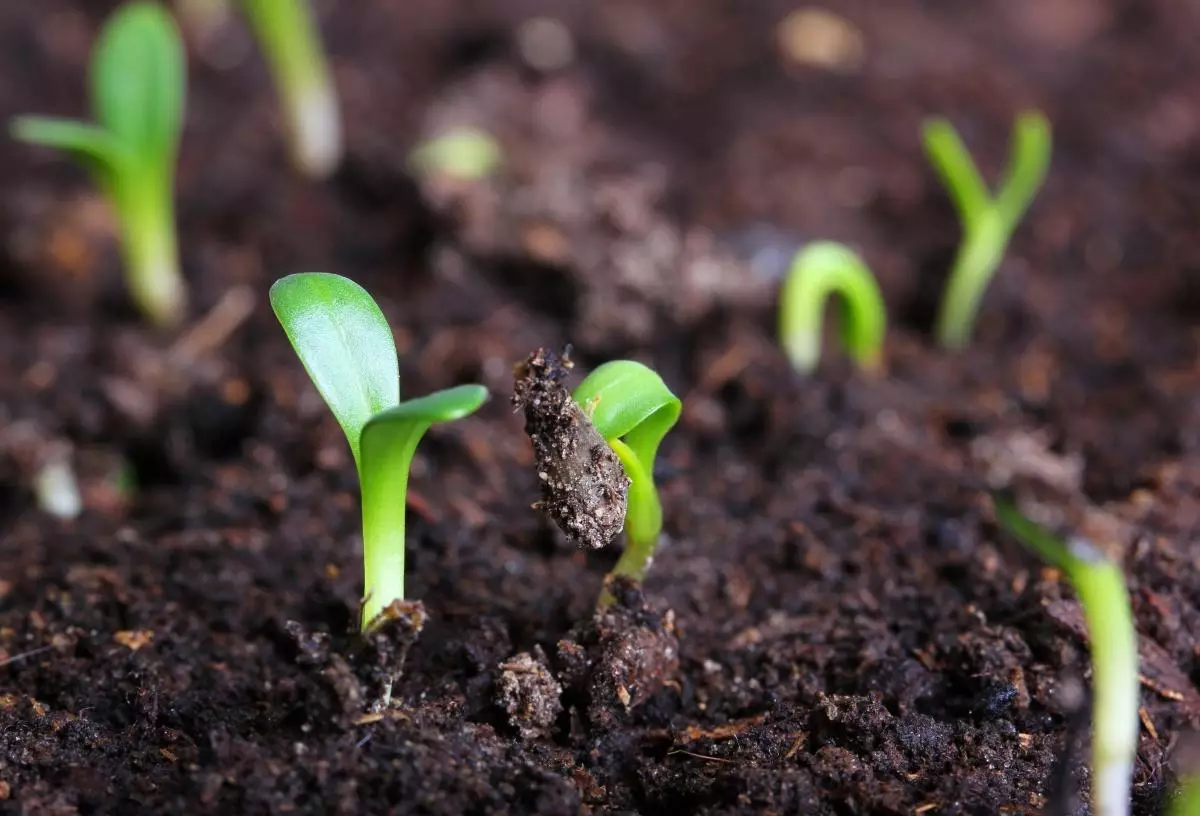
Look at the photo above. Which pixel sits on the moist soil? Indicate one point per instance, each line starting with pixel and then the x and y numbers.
pixel 834 623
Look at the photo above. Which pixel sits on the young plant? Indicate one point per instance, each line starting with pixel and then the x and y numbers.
pixel 344 342
pixel 291 43
pixel 821 269
pixel 465 153
pixel 987 223
pixel 137 89
pixel 633 409
pixel 1100 585
pixel 1187 799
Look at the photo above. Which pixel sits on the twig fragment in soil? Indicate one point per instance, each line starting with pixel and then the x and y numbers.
pixel 24 655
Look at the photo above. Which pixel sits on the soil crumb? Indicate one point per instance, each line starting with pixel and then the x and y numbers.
pixel 529 694
pixel 584 486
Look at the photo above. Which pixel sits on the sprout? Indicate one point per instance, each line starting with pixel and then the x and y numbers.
pixel 1187 799
pixel 1101 589
pixel 819 270
pixel 987 222
pixel 137 88
pixel 463 153
pixel 291 44
pixel 344 342
pixel 633 409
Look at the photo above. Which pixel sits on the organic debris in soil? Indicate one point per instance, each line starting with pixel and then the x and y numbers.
pixel 584 486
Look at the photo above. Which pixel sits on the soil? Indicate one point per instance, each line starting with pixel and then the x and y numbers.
pixel 834 624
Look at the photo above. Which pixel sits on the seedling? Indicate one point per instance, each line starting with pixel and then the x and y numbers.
pixel 987 223
pixel 1100 585
pixel 137 89
pixel 344 342
pixel 466 154
pixel 1187 799
pixel 632 408
pixel 291 44
pixel 821 269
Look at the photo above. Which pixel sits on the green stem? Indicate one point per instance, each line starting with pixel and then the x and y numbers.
pixel 147 212
pixel 383 511
pixel 292 47
pixel 979 254
pixel 643 520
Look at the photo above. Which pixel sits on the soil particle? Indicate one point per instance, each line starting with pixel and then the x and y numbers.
pixel 584 487
pixel 529 694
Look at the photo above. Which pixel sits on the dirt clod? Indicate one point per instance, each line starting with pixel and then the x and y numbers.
pixel 529 694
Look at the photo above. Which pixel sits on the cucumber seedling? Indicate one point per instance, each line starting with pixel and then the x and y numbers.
pixel 346 346
pixel 1100 585
pixel 138 85
pixel 822 269
pixel 987 222
pixel 291 43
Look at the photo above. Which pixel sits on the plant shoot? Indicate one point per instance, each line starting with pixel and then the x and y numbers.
pixel 346 346
pixel 291 44
pixel 987 222
pixel 137 94
pixel 464 154
pixel 822 269
pixel 1100 585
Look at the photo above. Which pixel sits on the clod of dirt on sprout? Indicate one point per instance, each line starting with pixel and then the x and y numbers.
pixel 987 221
pixel 529 694
pixel 346 346
pixel 584 486
pixel 464 154
pixel 819 270
pixel 291 43
pixel 138 86
pixel 1100 585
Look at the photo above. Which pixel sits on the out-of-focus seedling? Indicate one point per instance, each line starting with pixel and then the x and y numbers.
pixel 291 44
pixel 137 88
pixel 345 344
pixel 465 154
pixel 821 269
pixel 1100 585
pixel 987 222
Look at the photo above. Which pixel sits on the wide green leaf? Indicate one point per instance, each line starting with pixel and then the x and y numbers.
pixel 138 80
pixel 345 344
pixel 626 400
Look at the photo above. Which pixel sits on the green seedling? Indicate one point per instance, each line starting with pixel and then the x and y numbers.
pixel 1100 585
pixel 288 35
pixel 137 87
pixel 987 223
pixel 467 154
pixel 346 346
pixel 821 269
pixel 1187 799
pixel 633 410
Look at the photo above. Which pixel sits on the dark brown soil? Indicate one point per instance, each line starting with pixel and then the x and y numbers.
pixel 834 626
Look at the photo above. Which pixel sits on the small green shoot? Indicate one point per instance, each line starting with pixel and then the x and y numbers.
pixel 466 154
pixel 138 85
pixel 633 410
pixel 1100 585
pixel 987 223
pixel 821 269
pixel 291 44
pixel 1187 798
pixel 346 346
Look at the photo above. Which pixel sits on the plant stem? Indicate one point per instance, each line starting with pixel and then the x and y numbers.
pixel 293 51
pixel 383 511
pixel 147 213
pixel 643 520
pixel 979 254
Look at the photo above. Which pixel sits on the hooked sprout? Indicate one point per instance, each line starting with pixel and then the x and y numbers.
pixel 291 44
pixel 138 85
pixel 346 346
pixel 464 153
pixel 1100 585
pixel 987 222
pixel 821 269
pixel 633 410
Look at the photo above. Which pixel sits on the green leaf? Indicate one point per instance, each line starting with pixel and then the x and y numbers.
pixel 389 441
pixel 345 344
pixel 91 146
pixel 138 80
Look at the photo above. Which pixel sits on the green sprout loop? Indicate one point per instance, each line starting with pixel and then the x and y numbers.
pixel 633 410
pixel 291 44
pixel 821 269
pixel 346 346
pixel 138 86
pixel 987 223
pixel 1100 585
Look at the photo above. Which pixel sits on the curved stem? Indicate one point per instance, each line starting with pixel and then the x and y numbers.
pixel 975 263
pixel 149 245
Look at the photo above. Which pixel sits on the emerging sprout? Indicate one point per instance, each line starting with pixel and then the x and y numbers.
pixel 137 89
pixel 344 342
pixel 1187 800
pixel 987 222
pixel 464 153
pixel 1101 589
pixel 633 409
pixel 292 46
pixel 821 269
